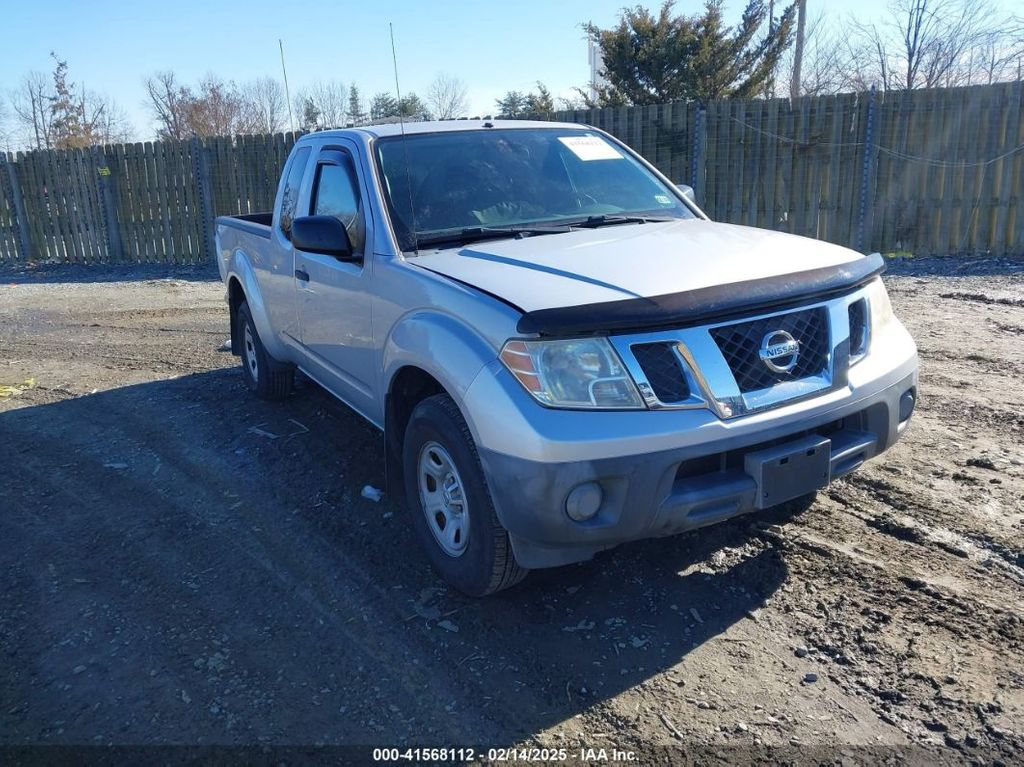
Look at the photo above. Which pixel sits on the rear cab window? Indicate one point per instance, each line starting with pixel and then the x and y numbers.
pixel 290 193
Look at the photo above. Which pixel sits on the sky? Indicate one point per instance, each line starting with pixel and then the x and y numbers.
pixel 111 45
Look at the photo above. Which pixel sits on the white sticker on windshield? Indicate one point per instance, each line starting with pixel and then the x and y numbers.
pixel 590 148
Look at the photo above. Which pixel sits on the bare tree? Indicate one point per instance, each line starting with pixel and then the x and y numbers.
pixel 446 97
pixel 30 102
pixel 267 105
pixel 218 109
pixel 104 122
pixel 938 37
pixel 868 53
pixel 927 44
pixel 170 102
pixel 215 108
pixel 6 128
pixel 573 102
pixel 326 102
pixel 54 112
pixel 998 56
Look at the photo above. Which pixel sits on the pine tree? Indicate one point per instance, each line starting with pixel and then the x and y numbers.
pixel 310 115
pixel 535 105
pixel 512 105
pixel 413 106
pixel 383 105
pixel 67 110
pixel 540 105
pixel 356 115
pixel 652 59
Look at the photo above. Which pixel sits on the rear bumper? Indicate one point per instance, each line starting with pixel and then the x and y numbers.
pixel 700 482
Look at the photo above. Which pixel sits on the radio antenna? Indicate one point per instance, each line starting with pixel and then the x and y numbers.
pixel 287 93
pixel 405 146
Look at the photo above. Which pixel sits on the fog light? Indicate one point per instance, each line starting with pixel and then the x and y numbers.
pixel 907 402
pixel 584 501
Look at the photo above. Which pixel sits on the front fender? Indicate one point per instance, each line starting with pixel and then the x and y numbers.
pixel 441 345
pixel 240 267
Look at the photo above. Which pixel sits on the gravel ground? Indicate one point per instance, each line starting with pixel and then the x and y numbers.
pixel 183 564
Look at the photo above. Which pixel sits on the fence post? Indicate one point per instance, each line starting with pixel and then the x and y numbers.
pixel 20 219
pixel 108 203
pixel 204 189
pixel 697 156
pixel 865 216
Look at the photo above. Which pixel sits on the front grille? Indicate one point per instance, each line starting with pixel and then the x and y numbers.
pixel 663 370
pixel 740 345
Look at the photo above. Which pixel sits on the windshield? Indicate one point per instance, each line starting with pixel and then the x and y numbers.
pixel 478 181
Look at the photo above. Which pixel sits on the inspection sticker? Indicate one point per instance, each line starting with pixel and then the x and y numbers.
pixel 590 148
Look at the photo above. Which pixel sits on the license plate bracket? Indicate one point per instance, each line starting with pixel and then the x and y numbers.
pixel 789 470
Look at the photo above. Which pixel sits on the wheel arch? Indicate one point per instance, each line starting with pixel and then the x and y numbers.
pixel 410 385
pixel 439 346
pixel 243 286
pixel 236 295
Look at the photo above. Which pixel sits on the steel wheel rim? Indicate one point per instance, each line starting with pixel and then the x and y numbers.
pixel 443 499
pixel 250 354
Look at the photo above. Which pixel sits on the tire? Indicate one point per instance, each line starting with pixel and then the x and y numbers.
pixel 462 536
pixel 264 376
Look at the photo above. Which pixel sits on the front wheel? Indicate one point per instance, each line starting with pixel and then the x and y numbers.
pixel 449 502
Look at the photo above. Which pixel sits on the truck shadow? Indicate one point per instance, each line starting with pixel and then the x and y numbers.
pixel 184 562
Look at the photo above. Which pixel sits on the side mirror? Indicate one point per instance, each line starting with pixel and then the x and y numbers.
pixel 325 235
pixel 687 191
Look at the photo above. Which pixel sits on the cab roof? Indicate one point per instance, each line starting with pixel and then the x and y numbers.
pixel 443 126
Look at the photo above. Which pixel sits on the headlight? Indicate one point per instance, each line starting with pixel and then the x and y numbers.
pixel 878 305
pixel 582 373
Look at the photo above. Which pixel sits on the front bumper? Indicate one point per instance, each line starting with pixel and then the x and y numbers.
pixel 698 480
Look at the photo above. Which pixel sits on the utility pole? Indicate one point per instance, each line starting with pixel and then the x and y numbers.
pixel 798 54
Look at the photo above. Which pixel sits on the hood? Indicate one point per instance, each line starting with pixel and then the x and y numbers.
pixel 629 261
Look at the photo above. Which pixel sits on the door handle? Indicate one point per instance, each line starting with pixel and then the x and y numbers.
pixel 302 274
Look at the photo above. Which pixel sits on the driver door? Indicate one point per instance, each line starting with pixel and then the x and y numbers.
pixel 333 295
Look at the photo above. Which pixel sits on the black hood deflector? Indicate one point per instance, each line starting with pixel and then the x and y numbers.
pixel 704 304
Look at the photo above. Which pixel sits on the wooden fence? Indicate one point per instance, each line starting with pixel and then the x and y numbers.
pixel 137 203
pixel 930 172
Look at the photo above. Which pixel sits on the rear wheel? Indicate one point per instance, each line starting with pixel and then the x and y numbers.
pixel 449 503
pixel 264 376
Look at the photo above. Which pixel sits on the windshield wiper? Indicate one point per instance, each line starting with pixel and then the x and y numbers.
pixel 593 222
pixel 477 233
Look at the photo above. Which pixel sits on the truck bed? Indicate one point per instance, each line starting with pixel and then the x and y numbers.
pixel 254 223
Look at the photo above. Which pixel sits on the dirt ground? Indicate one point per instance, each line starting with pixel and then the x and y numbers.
pixel 181 563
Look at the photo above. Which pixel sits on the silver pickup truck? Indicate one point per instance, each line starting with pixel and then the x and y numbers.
pixel 563 352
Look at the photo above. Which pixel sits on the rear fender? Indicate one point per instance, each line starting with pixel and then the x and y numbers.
pixel 240 268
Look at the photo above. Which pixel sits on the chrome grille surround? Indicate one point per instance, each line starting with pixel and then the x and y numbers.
pixel 664 371
pixel 712 382
pixel 860 329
